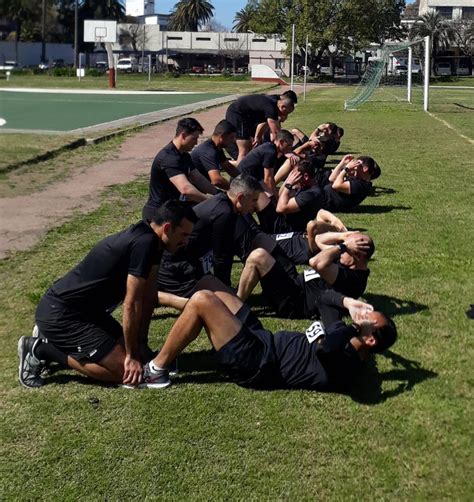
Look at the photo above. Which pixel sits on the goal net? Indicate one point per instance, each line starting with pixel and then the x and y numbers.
pixel 388 77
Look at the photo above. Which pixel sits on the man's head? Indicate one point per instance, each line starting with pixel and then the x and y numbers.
pixel 339 133
pixel 188 131
pixel 365 168
pixel 243 192
pixel 224 134
pixel 286 103
pixel 173 223
pixel 326 129
pixel 357 259
pixel 379 332
pixel 306 168
pixel 284 141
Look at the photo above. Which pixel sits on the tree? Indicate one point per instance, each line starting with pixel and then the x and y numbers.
pixel 243 18
pixel 412 9
pixel 234 50
pixel 462 35
pixel 432 24
pixel 188 15
pixel 134 35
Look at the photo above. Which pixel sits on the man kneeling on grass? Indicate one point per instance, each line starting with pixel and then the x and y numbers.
pixel 323 358
pixel 74 326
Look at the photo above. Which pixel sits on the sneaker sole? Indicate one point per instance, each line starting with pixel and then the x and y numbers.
pixel 21 352
pixel 154 385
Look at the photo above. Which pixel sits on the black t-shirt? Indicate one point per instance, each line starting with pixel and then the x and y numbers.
pixel 257 108
pixel 245 232
pixel 99 281
pixel 264 156
pixel 214 232
pixel 169 162
pixel 338 201
pixel 306 363
pixel 351 282
pixel 295 245
pixel 207 157
pixel 310 200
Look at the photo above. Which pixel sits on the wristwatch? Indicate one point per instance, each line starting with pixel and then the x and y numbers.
pixel 289 186
pixel 342 247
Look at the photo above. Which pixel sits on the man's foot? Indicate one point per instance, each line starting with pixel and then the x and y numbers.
pixel 47 368
pixel 153 379
pixel 30 368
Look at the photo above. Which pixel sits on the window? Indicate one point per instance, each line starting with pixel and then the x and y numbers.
pixel 203 39
pixel 231 39
pixel 259 40
pixel 174 38
pixel 446 12
pixel 468 12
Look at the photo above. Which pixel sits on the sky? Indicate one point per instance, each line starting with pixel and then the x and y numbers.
pixel 224 10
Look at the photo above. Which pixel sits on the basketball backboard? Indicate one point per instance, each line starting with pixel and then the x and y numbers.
pixel 100 31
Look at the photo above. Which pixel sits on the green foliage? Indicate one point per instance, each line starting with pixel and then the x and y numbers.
pixel 188 15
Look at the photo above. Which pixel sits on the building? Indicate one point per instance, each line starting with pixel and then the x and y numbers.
pixel 450 9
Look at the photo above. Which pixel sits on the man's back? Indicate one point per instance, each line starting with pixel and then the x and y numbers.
pixel 98 282
pixel 207 157
pixel 264 156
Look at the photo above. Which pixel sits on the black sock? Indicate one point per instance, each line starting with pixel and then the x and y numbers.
pixel 46 351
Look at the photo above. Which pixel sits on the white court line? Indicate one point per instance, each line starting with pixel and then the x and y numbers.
pixel 92 91
pixel 452 87
pixel 449 126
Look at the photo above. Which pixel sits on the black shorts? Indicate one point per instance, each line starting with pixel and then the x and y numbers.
pixel 272 222
pixel 246 126
pixel 178 278
pixel 249 359
pixel 311 286
pixel 295 245
pixel 81 335
pixel 283 292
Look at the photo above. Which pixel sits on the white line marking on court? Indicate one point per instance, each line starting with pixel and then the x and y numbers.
pixel 92 91
pixel 453 87
pixel 449 126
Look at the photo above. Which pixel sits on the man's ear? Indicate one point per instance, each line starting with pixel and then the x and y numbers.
pixel 240 196
pixel 370 340
pixel 167 228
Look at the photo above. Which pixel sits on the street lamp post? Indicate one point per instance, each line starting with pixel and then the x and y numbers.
pixel 305 67
pixel 292 69
pixel 75 33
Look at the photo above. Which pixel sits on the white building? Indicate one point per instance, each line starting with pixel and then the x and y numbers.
pixel 450 9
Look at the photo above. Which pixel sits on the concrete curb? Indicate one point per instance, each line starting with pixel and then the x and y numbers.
pixel 135 123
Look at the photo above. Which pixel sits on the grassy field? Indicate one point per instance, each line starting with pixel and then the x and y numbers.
pixel 404 433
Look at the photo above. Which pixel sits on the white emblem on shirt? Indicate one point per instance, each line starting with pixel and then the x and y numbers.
pixel 310 275
pixel 315 331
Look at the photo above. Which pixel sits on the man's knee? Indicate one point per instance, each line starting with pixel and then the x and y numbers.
pixel 202 300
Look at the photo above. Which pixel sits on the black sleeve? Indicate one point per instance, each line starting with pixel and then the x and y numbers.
pixel 350 283
pixel 173 166
pixel 337 336
pixel 269 160
pixel 358 188
pixel 270 110
pixel 223 246
pixel 143 255
pixel 188 162
pixel 307 197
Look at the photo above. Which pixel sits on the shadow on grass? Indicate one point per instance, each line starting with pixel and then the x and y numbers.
pixel 369 209
pixel 403 376
pixel 394 306
pixel 379 191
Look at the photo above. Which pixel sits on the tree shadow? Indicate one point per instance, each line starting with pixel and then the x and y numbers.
pixel 378 191
pixel 370 209
pixel 199 367
pixel 405 374
pixel 394 306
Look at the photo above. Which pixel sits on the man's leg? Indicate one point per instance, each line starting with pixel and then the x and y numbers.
pixel 244 146
pixel 259 263
pixel 204 309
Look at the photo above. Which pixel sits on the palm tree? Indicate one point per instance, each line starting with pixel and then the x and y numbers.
pixel 243 18
pixel 435 26
pixel 189 14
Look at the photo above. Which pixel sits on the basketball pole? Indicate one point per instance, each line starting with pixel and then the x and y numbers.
pixel 110 58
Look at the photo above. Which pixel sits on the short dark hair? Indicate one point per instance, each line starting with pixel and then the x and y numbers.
pixel 385 336
pixel 332 127
pixel 374 168
pixel 224 127
pixel 291 95
pixel 188 125
pixel 307 166
pixel 174 211
pixel 245 184
pixel 340 131
pixel 285 136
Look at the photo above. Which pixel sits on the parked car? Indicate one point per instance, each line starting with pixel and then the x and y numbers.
pixel 307 70
pixel 126 65
pixel 415 64
pixel 243 69
pixel 463 69
pixel 401 70
pixel 443 69
pixel 9 65
pixel 197 69
pixel 44 65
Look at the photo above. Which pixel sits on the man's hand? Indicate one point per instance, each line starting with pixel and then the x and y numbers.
pixel 356 244
pixel 133 371
pixel 358 310
pixel 294 177
pixel 347 158
pixel 256 141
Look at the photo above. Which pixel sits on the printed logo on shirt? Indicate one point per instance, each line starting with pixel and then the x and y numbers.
pixel 283 237
pixel 310 275
pixel 315 331
pixel 207 263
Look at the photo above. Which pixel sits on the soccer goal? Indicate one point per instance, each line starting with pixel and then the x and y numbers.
pixel 399 72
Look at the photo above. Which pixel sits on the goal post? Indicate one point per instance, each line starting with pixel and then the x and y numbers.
pixel 399 72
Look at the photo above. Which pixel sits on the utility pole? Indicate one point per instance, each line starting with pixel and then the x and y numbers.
pixel 43 32
pixel 76 22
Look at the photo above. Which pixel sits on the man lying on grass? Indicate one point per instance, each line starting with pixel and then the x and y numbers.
pixel 75 326
pixel 325 357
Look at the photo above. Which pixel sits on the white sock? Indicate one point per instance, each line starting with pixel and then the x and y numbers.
pixel 154 368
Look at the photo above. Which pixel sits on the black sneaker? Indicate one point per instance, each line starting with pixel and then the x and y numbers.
pixel 30 368
pixel 47 368
pixel 154 379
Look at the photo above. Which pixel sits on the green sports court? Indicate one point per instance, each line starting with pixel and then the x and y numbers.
pixel 66 111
